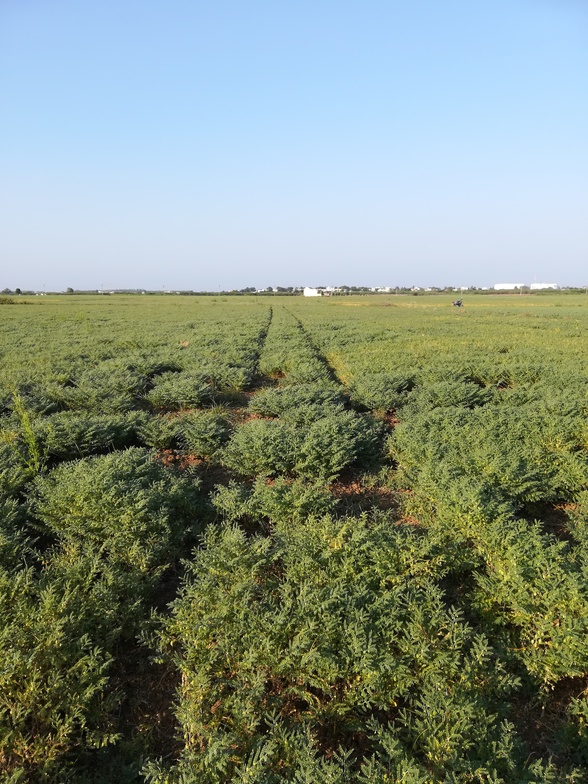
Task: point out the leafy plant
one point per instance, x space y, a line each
54 678
173 391
382 390
71 434
33 456
125 504
298 644
262 447
298 404
336 442
203 433
279 500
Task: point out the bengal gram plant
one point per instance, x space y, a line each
273 540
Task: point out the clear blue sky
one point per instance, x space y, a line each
199 145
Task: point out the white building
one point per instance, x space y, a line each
323 291
540 286
508 286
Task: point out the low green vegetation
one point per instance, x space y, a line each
273 540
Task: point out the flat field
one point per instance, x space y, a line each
274 539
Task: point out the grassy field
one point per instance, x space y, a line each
275 539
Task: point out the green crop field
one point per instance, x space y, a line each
274 539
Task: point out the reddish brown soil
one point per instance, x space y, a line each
391 419
169 457
356 497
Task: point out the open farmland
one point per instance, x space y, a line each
269 540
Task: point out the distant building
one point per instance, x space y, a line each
540 286
508 286
322 291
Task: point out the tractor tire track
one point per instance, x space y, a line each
332 373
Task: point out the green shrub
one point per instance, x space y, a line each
298 404
382 390
124 504
14 542
234 501
262 447
14 472
203 433
280 500
336 442
108 388
309 647
37 396
534 589
283 500
71 434
228 378
448 393
54 695
173 391
288 352
306 370
519 456
160 432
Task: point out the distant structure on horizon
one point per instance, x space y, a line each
325 291
532 287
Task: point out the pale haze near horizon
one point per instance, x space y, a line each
205 146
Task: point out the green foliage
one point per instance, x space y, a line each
262 447
342 650
203 433
267 447
536 590
337 441
314 635
173 391
199 433
298 404
283 500
517 455
229 378
288 351
280 500
70 434
382 390
160 432
53 679
14 472
126 505
449 393
33 457
14 541
109 388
